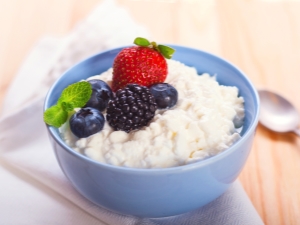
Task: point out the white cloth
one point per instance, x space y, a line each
33 188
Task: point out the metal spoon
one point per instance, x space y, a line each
277 113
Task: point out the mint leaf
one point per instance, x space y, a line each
67 106
166 51
55 116
141 42
76 94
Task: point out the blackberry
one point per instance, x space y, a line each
132 108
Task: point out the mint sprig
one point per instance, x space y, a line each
166 51
74 96
55 116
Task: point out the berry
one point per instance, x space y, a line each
101 94
132 108
86 121
165 95
144 64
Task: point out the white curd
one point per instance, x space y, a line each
202 124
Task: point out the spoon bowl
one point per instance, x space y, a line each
277 113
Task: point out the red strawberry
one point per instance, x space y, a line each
143 64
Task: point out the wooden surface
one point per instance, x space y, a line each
262 37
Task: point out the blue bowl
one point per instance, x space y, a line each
157 192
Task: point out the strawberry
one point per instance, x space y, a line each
144 64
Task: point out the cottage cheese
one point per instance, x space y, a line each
203 123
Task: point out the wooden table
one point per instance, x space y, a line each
262 37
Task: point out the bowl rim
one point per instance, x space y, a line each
54 134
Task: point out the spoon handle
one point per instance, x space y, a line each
297 131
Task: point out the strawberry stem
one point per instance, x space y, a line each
166 51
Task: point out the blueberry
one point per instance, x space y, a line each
101 95
165 95
86 121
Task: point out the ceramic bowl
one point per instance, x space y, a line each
157 192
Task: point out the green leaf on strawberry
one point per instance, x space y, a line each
141 42
166 51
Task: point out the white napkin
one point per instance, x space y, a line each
27 159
